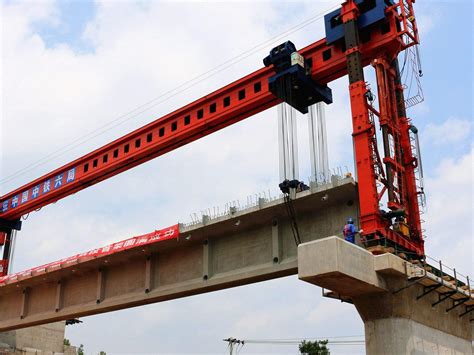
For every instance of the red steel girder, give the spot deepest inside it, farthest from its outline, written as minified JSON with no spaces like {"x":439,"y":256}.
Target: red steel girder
{"x":224,"y":107}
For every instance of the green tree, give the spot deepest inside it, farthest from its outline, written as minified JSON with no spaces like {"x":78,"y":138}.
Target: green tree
{"x":80,"y":350}
{"x":102,"y":353}
{"x":67,"y":342}
{"x":317,"y":347}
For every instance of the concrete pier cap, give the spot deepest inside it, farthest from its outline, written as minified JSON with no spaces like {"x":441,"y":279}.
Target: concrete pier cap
{"x":381,"y":287}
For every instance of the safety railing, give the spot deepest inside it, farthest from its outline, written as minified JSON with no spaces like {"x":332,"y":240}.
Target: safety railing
{"x":261,"y":198}
{"x":411,"y":73}
{"x":232,"y":207}
{"x":449,"y":274}
{"x":408,"y":27}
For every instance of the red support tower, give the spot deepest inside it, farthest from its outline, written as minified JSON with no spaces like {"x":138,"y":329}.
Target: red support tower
{"x":391,"y":179}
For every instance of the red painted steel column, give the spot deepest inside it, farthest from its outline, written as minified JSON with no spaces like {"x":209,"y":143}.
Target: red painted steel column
{"x":409,"y":163}
{"x":363,"y":129}
{"x":363,"y":132}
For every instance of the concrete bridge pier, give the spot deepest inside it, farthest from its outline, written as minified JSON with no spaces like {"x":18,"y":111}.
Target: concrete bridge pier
{"x":386,"y":292}
{"x":401,"y":324}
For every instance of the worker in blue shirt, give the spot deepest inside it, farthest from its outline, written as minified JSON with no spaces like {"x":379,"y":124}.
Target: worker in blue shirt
{"x":349,"y":231}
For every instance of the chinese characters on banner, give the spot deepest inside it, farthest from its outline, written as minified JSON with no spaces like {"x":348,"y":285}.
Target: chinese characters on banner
{"x":43,"y":188}
{"x":150,"y":238}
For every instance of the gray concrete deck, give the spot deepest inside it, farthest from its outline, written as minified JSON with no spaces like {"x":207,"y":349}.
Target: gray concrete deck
{"x":247,"y":246}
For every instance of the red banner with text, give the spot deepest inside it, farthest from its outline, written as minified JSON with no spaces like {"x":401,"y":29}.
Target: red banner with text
{"x":141,"y":240}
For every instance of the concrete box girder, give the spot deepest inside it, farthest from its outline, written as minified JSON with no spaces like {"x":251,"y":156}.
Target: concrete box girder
{"x":248,"y":246}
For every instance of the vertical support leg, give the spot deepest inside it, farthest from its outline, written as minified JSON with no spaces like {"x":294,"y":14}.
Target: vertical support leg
{"x":100,"y":285}
{"x":363,"y":128}
{"x":318,"y":143}
{"x":8,"y":231}
{"x":59,"y":296}
{"x":5,"y":264}
{"x":148,"y":274}
{"x":385,"y":123}
{"x":288,"y":143}
{"x":409,"y":162}
{"x":282,"y":143}
{"x":206,"y":260}
{"x":323,"y":153}
{"x":293,"y":139}
{"x":276,"y":242}
{"x":24,"y":303}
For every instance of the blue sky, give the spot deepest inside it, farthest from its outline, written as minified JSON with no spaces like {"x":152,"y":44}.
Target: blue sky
{"x":446,"y":55}
{"x":73,"y":17}
{"x":79,"y":64}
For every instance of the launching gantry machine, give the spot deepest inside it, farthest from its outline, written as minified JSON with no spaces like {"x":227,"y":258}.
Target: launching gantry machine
{"x":359,"y":34}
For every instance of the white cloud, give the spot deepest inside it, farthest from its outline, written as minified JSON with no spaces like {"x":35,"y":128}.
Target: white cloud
{"x":453,"y":130}
{"x":427,"y":17}
{"x":450,"y":213}
{"x":18,"y":17}
{"x":419,"y":110}
{"x":327,"y":309}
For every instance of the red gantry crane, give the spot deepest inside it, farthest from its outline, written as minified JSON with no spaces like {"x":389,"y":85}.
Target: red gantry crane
{"x":360,"y":33}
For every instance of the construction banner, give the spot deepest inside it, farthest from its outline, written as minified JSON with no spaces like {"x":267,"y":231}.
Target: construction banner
{"x":141,"y":240}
